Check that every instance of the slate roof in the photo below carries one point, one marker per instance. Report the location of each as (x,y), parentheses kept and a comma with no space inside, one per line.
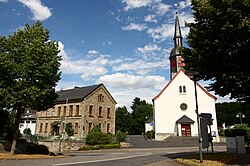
(76,93)
(184,119)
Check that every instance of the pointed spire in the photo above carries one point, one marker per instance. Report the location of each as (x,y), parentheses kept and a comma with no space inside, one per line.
(177,33)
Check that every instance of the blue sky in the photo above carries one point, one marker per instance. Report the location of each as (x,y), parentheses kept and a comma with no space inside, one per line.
(124,44)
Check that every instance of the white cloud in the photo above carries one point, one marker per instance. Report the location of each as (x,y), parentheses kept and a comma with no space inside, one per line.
(162,32)
(92,53)
(139,65)
(184,4)
(86,68)
(160,8)
(3,0)
(131,4)
(134,26)
(148,51)
(120,80)
(39,11)
(150,18)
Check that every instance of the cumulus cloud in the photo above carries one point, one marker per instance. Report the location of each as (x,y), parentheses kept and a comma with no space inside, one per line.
(86,68)
(160,8)
(150,18)
(134,26)
(139,65)
(162,32)
(39,11)
(184,4)
(120,80)
(131,4)
(148,51)
(92,53)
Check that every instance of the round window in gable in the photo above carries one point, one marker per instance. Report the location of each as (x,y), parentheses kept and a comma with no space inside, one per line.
(183,106)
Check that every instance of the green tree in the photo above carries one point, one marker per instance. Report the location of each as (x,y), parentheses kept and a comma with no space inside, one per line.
(27,131)
(29,71)
(141,110)
(122,119)
(69,129)
(219,43)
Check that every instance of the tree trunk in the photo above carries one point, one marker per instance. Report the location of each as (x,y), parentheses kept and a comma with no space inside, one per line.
(16,133)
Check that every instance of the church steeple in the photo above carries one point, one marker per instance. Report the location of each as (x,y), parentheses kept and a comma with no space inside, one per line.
(176,60)
(177,33)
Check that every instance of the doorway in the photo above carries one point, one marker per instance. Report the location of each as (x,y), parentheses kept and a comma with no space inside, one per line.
(185,130)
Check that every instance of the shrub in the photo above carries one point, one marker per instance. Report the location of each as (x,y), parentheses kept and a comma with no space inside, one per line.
(69,129)
(120,136)
(27,131)
(36,149)
(96,137)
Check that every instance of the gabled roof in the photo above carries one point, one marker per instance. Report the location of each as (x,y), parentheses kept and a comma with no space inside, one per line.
(181,70)
(78,93)
(185,119)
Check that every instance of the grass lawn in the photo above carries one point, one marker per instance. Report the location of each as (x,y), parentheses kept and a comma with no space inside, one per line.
(213,159)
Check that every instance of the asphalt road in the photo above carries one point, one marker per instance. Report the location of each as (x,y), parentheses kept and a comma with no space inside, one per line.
(116,157)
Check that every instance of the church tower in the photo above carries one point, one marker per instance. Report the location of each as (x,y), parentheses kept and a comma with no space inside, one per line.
(176,60)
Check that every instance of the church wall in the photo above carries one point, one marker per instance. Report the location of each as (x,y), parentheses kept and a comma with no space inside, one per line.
(168,111)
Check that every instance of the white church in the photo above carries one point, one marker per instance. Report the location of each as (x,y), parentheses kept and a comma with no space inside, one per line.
(175,106)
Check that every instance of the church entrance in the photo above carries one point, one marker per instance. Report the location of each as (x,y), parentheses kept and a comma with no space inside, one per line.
(185,130)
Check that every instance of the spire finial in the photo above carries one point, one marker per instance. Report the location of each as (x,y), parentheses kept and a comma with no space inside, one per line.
(176,8)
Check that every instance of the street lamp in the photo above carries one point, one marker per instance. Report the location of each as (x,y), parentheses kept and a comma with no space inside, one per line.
(240,115)
(194,75)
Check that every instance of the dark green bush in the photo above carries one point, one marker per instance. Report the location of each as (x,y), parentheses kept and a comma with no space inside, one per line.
(120,136)
(98,138)
(235,132)
(36,149)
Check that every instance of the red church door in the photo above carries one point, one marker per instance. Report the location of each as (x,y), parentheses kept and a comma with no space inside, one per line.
(185,130)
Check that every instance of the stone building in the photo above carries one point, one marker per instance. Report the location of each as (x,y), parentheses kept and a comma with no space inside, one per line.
(84,107)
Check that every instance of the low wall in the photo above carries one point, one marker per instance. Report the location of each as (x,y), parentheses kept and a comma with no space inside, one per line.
(62,146)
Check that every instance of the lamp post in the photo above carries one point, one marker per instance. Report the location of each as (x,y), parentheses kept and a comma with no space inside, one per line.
(194,75)
(240,115)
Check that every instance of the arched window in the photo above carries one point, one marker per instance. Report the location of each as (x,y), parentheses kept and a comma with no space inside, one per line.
(180,89)
(184,89)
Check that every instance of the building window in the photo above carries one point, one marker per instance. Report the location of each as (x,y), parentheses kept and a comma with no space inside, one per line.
(76,127)
(71,110)
(91,110)
(41,128)
(59,111)
(64,111)
(100,112)
(46,128)
(108,112)
(77,110)
(182,89)
(90,126)
(100,125)
(100,98)
(108,127)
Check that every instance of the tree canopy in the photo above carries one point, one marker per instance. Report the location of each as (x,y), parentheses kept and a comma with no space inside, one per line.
(29,70)
(219,45)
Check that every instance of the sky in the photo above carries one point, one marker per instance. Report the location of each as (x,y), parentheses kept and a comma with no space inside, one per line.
(124,44)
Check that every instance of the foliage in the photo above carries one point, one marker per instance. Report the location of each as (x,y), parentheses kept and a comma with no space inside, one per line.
(219,42)
(235,132)
(27,131)
(29,71)
(226,113)
(36,149)
(69,129)
(97,147)
(122,119)
(150,134)
(120,136)
(140,111)
(96,137)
